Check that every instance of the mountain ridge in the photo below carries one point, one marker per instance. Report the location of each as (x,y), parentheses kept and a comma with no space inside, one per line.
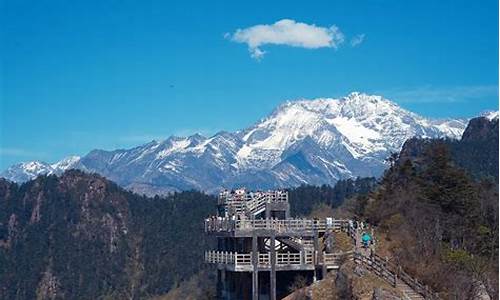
(317,141)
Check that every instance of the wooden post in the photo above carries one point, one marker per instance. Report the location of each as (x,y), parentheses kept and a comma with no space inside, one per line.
(255,272)
(223,284)
(315,256)
(219,285)
(373,236)
(272,275)
(396,275)
(323,267)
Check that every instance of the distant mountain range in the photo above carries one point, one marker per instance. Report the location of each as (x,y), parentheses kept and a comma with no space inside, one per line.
(316,142)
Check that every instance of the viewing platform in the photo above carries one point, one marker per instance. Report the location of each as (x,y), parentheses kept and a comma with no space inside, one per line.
(261,249)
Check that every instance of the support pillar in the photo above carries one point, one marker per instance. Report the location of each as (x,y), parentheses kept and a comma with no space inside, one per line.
(315,255)
(272,275)
(219,285)
(323,270)
(255,272)
(223,284)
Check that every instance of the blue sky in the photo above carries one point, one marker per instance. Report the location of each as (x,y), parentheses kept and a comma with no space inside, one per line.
(79,75)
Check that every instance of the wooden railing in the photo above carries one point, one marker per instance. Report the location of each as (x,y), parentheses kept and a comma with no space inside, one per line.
(392,273)
(351,231)
(264,259)
(220,257)
(217,224)
(282,259)
(270,196)
(378,266)
(252,204)
(309,257)
(336,258)
(243,259)
(288,258)
(228,224)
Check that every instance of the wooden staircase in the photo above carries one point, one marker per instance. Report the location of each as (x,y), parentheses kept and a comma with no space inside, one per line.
(408,292)
(257,205)
(298,243)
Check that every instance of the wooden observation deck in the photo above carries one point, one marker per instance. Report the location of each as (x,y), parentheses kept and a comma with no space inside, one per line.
(256,236)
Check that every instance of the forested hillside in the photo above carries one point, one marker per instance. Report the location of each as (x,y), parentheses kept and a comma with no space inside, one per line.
(80,236)
(437,209)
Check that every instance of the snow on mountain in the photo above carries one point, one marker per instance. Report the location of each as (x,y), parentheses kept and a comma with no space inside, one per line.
(491,115)
(307,141)
(365,125)
(66,164)
(28,170)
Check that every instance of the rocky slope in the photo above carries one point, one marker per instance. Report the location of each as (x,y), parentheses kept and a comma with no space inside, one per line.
(308,141)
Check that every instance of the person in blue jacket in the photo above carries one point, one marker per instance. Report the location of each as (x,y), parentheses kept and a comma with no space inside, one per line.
(366,239)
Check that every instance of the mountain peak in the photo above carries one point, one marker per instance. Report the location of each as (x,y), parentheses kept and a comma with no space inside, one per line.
(33,166)
(356,101)
(66,163)
(363,124)
(363,96)
(196,138)
(490,115)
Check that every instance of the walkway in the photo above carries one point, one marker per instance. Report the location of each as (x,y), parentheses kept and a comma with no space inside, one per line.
(410,287)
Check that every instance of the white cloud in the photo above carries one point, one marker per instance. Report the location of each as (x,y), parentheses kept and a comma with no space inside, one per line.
(358,39)
(287,32)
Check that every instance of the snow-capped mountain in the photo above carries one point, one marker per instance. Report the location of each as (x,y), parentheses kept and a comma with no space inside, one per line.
(307,141)
(28,170)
